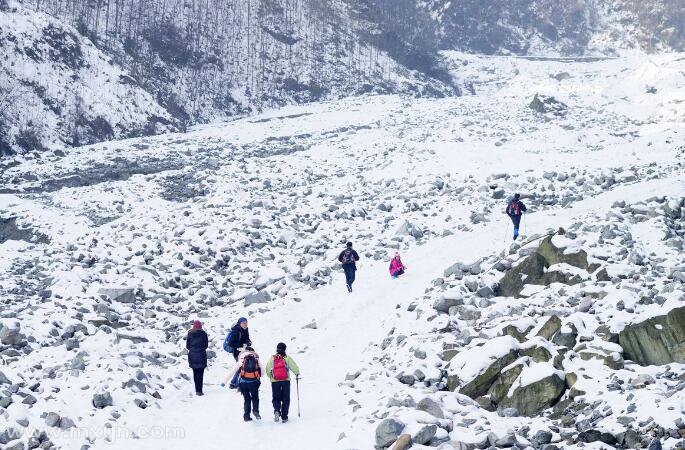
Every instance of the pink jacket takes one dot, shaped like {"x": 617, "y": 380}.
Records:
{"x": 396, "y": 265}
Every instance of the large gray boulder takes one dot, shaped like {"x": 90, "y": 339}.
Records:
{"x": 481, "y": 384}
{"x": 257, "y": 297}
{"x": 101, "y": 400}
{"x": 119, "y": 294}
{"x": 431, "y": 407}
{"x": 534, "y": 398}
{"x": 656, "y": 341}
{"x": 533, "y": 269}
{"x": 11, "y": 335}
{"x": 388, "y": 431}
{"x": 409, "y": 229}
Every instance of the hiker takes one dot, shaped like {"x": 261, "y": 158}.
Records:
{"x": 396, "y": 266}
{"x": 196, "y": 343}
{"x": 515, "y": 209}
{"x": 245, "y": 377}
{"x": 237, "y": 338}
{"x": 278, "y": 369}
{"x": 348, "y": 258}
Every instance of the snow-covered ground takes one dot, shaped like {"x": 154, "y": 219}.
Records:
{"x": 245, "y": 218}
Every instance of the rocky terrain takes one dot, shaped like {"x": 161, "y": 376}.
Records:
{"x": 570, "y": 337}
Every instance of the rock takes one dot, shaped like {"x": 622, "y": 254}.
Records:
{"x": 550, "y": 328}
{"x": 656, "y": 341}
{"x": 481, "y": 384}
{"x": 11, "y": 335}
{"x": 101, "y": 400}
{"x": 431, "y": 407}
{"x": 4, "y": 379}
{"x": 119, "y": 294}
{"x": 505, "y": 380}
{"x": 542, "y": 437}
{"x": 65, "y": 423}
{"x": 485, "y": 292}
{"x": 388, "y": 431}
{"x": 9, "y": 435}
{"x": 52, "y": 419}
{"x": 537, "y": 354}
{"x": 531, "y": 268}
{"x": 546, "y": 104}
{"x": 446, "y": 301}
{"x": 257, "y": 297}
{"x": 425, "y": 434}
{"x": 596, "y": 436}
{"x": 402, "y": 443}
{"x": 655, "y": 444}
{"x": 533, "y": 398}
{"x": 409, "y": 229}
{"x": 554, "y": 255}
{"x": 19, "y": 445}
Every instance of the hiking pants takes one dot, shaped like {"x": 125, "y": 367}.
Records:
{"x": 250, "y": 391}
{"x": 516, "y": 220}
{"x": 349, "y": 269}
{"x": 398, "y": 273}
{"x": 198, "y": 375}
{"x": 281, "y": 397}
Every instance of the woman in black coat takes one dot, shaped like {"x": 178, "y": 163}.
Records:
{"x": 197, "y": 343}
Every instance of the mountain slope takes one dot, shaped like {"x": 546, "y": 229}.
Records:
{"x": 57, "y": 89}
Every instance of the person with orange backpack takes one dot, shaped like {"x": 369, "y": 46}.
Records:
{"x": 278, "y": 369}
{"x": 246, "y": 378}
{"x": 515, "y": 209}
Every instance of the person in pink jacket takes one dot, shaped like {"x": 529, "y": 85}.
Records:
{"x": 396, "y": 266}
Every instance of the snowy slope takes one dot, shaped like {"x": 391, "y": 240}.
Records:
{"x": 245, "y": 218}
{"x": 57, "y": 88}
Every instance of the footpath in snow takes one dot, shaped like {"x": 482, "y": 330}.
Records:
{"x": 345, "y": 326}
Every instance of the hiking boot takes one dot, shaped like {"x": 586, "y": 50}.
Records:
{"x": 349, "y": 288}
{"x": 284, "y": 420}
{"x": 257, "y": 416}
{"x": 277, "y": 416}
{"x": 199, "y": 394}
{"x": 247, "y": 419}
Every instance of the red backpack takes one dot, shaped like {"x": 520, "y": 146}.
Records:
{"x": 514, "y": 208}
{"x": 280, "y": 371}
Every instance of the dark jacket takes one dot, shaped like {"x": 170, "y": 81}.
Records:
{"x": 355, "y": 256}
{"x": 239, "y": 337}
{"x": 197, "y": 344}
{"x": 511, "y": 210}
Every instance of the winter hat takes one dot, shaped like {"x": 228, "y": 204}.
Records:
{"x": 517, "y": 196}
{"x": 197, "y": 325}
{"x": 349, "y": 244}
{"x": 397, "y": 254}
{"x": 280, "y": 348}
{"x": 241, "y": 320}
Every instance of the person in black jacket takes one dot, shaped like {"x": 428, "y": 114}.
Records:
{"x": 238, "y": 337}
{"x": 197, "y": 343}
{"x": 348, "y": 258}
{"x": 515, "y": 209}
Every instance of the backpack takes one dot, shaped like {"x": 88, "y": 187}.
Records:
{"x": 348, "y": 256}
{"x": 250, "y": 369}
{"x": 229, "y": 338}
{"x": 515, "y": 208}
{"x": 280, "y": 370}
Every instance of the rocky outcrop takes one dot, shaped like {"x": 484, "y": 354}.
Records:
{"x": 535, "y": 397}
{"x": 656, "y": 341}
{"x": 533, "y": 269}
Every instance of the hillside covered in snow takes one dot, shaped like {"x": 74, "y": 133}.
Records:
{"x": 570, "y": 337}
{"x": 76, "y": 72}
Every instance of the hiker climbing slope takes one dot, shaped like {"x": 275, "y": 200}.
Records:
{"x": 348, "y": 258}
{"x": 515, "y": 209}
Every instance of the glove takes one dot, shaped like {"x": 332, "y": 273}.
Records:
{"x": 223, "y": 384}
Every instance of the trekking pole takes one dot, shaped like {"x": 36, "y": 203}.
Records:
{"x": 297, "y": 378}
